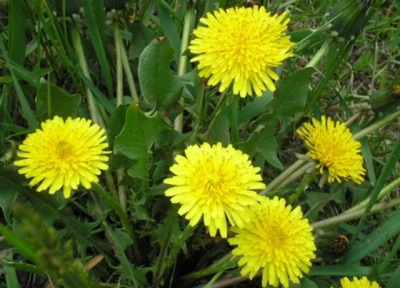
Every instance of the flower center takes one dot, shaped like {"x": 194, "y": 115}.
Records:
{"x": 329, "y": 153}
{"x": 214, "y": 184}
{"x": 64, "y": 150}
{"x": 277, "y": 236}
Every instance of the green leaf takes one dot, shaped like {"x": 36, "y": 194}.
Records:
{"x": 137, "y": 137}
{"x": 139, "y": 133}
{"x": 142, "y": 36}
{"x": 116, "y": 124}
{"x": 268, "y": 147}
{"x": 53, "y": 100}
{"x": 9, "y": 192}
{"x": 292, "y": 93}
{"x": 169, "y": 28}
{"x": 255, "y": 108}
{"x": 219, "y": 129}
{"x": 159, "y": 87}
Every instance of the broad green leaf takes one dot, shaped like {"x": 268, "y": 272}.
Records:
{"x": 52, "y": 100}
{"x": 141, "y": 37}
{"x": 139, "y": 133}
{"x": 268, "y": 147}
{"x": 116, "y": 124}
{"x": 159, "y": 87}
{"x": 219, "y": 129}
{"x": 169, "y": 28}
{"x": 255, "y": 108}
{"x": 292, "y": 93}
{"x": 9, "y": 192}
{"x": 264, "y": 143}
{"x": 139, "y": 169}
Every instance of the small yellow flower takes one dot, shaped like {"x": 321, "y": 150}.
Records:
{"x": 277, "y": 240}
{"x": 332, "y": 146}
{"x": 241, "y": 45}
{"x": 358, "y": 283}
{"x": 214, "y": 183}
{"x": 63, "y": 155}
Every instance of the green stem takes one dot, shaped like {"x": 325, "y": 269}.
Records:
{"x": 178, "y": 122}
{"x": 110, "y": 183}
{"x": 226, "y": 262}
{"x": 125, "y": 64}
{"x": 281, "y": 180}
{"x": 233, "y": 119}
{"x": 317, "y": 57}
{"x": 344, "y": 217}
{"x": 230, "y": 282}
{"x": 362, "y": 205}
{"x": 185, "y": 41}
{"x": 376, "y": 125}
{"x": 339, "y": 58}
{"x": 94, "y": 112}
{"x": 121, "y": 214}
{"x": 325, "y": 26}
{"x": 129, "y": 76}
{"x": 122, "y": 189}
{"x": 118, "y": 60}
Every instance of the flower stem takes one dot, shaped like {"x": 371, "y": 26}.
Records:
{"x": 178, "y": 122}
{"x": 376, "y": 125}
{"x": 317, "y": 57}
{"x": 354, "y": 215}
{"x": 223, "y": 264}
{"x": 122, "y": 189}
{"x": 362, "y": 205}
{"x": 119, "y": 70}
{"x": 93, "y": 110}
{"x": 229, "y": 282}
{"x": 123, "y": 59}
{"x": 185, "y": 41}
{"x": 233, "y": 119}
{"x": 290, "y": 174}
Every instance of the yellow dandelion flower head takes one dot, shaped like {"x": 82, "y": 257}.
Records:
{"x": 277, "y": 240}
{"x": 241, "y": 45}
{"x": 358, "y": 283}
{"x": 214, "y": 183}
{"x": 332, "y": 146}
{"x": 63, "y": 155}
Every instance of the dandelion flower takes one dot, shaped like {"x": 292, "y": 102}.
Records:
{"x": 332, "y": 146}
{"x": 358, "y": 283}
{"x": 277, "y": 240}
{"x": 216, "y": 184}
{"x": 63, "y": 155}
{"x": 241, "y": 45}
